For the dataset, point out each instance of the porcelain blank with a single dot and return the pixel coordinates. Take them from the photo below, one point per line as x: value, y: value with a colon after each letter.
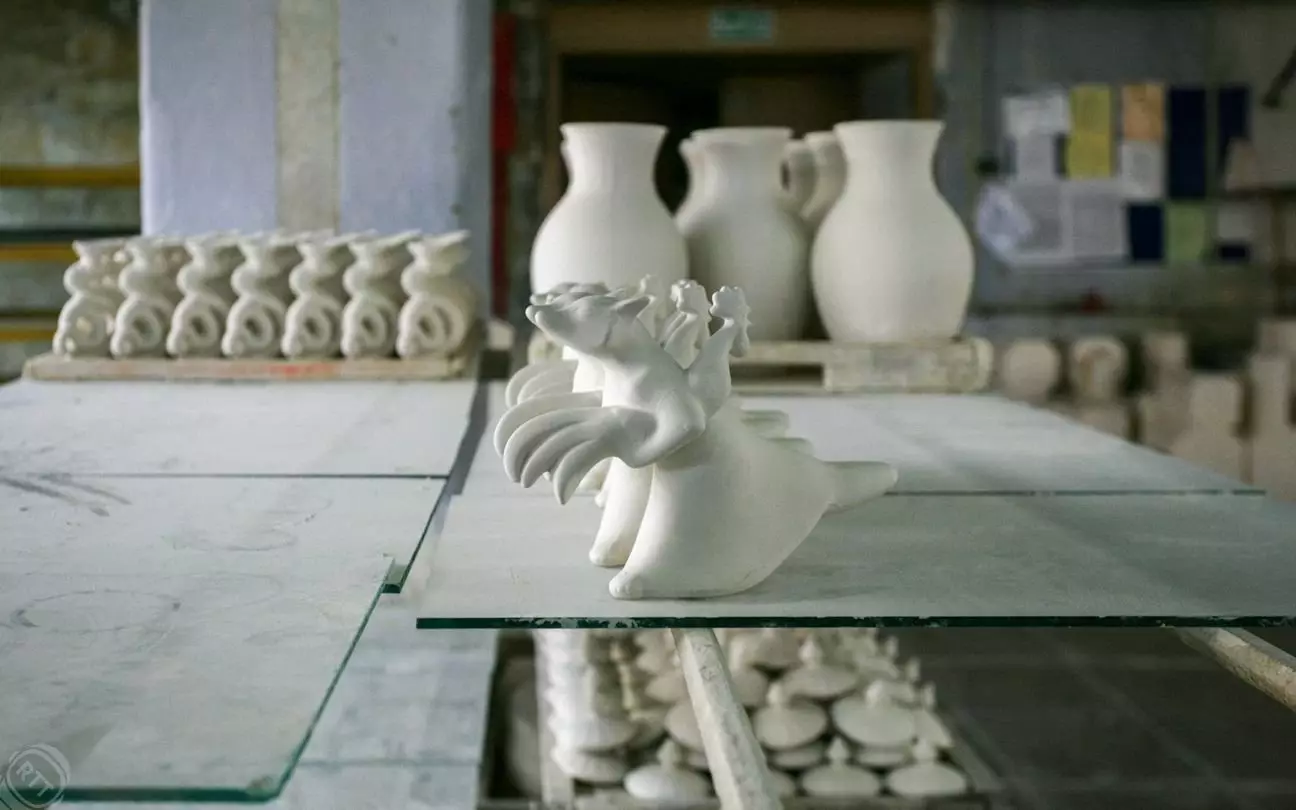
x: 816, y: 678
x: 743, y: 234
x: 439, y: 314
x: 86, y: 321
x: 1097, y: 367
x: 799, y: 759
x: 148, y: 282
x: 313, y: 322
x: 870, y: 719
x: 610, y: 226
x: 667, y: 781
x: 839, y: 778
x: 597, y: 769
x: 799, y: 172
x: 891, y: 261
x: 830, y: 178
x: 926, y: 777
x: 700, y: 535
x: 787, y: 722
x: 682, y: 725
x: 1029, y: 369
x: 881, y: 758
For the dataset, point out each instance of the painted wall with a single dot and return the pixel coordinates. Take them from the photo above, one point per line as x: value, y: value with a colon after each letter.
x: 68, y: 95
x: 347, y: 114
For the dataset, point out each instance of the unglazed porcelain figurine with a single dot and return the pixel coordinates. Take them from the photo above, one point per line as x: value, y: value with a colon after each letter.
x: 680, y: 324
x: 85, y: 323
x: 313, y: 323
x: 369, y: 319
x: 442, y: 306
x: 726, y: 505
x: 198, y: 322
x: 149, y: 283
x: 254, y: 327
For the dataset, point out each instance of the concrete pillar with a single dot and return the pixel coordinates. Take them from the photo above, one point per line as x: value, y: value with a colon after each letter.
x: 347, y: 114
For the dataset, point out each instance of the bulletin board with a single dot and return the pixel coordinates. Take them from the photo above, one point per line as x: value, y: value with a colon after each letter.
x: 1114, y: 175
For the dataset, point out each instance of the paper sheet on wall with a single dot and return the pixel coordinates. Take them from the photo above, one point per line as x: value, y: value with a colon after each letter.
x: 1041, y: 206
x: 1236, y: 222
x: 1185, y: 233
x: 1035, y: 158
x: 1089, y: 155
x: 1142, y: 170
x: 1001, y: 221
x: 1047, y: 112
x: 1091, y: 109
x: 1143, y: 112
x: 1093, y: 220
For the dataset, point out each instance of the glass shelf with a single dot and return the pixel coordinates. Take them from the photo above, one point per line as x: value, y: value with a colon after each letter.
x: 1004, y: 516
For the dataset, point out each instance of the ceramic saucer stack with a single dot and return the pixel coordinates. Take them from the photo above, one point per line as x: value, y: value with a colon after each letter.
x: 838, y: 714
x: 586, y: 715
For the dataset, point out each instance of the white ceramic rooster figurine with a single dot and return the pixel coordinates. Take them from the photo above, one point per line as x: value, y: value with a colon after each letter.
x: 725, y: 504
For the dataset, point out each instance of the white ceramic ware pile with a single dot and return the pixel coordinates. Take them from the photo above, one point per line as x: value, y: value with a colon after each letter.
x: 853, y: 215
x: 315, y: 295
x: 836, y: 712
x: 1237, y: 423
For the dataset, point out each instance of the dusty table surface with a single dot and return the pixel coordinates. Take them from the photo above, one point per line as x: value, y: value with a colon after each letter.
x: 247, y: 428
x: 1011, y: 516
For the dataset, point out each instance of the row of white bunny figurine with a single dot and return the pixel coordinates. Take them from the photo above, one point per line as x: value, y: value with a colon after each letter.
x: 266, y: 295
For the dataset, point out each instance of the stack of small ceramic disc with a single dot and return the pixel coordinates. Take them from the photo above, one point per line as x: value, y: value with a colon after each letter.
x: 836, y: 711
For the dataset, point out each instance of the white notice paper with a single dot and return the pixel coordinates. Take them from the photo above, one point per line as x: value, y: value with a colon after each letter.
x: 1093, y: 219
x: 1035, y: 157
x: 1142, y: 170
x: 1001, y: 222
x: 1235, y: 222
x: 1045, y: 113
x: 1041, y: 205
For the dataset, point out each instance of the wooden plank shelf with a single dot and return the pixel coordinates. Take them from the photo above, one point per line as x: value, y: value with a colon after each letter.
x: 52, y: 367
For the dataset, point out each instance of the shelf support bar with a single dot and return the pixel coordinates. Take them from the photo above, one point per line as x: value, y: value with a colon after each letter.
x: 1251, y: 658
x: 738, y: 767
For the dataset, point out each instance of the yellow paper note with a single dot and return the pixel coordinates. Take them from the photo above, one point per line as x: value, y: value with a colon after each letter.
x: 1143, y: 112
x: 1186, y: 239
x: 1091, y: 109
x: 1089, y: 155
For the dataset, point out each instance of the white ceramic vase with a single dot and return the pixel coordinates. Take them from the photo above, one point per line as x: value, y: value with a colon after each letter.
x: 891, y: 261
x: 610, y: 226
x: 743, y: 233
x: 830, y: 177
x: 696, y: 169
x: 799, y: 171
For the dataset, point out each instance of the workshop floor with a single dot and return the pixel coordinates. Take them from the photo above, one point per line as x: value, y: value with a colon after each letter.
x: 1112, y: 719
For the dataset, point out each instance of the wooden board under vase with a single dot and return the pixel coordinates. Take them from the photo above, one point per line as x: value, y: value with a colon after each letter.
x: 54, y: 368
x: 961, y: 366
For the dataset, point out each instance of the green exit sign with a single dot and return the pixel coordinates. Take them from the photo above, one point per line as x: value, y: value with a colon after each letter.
x: 742, y: 25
